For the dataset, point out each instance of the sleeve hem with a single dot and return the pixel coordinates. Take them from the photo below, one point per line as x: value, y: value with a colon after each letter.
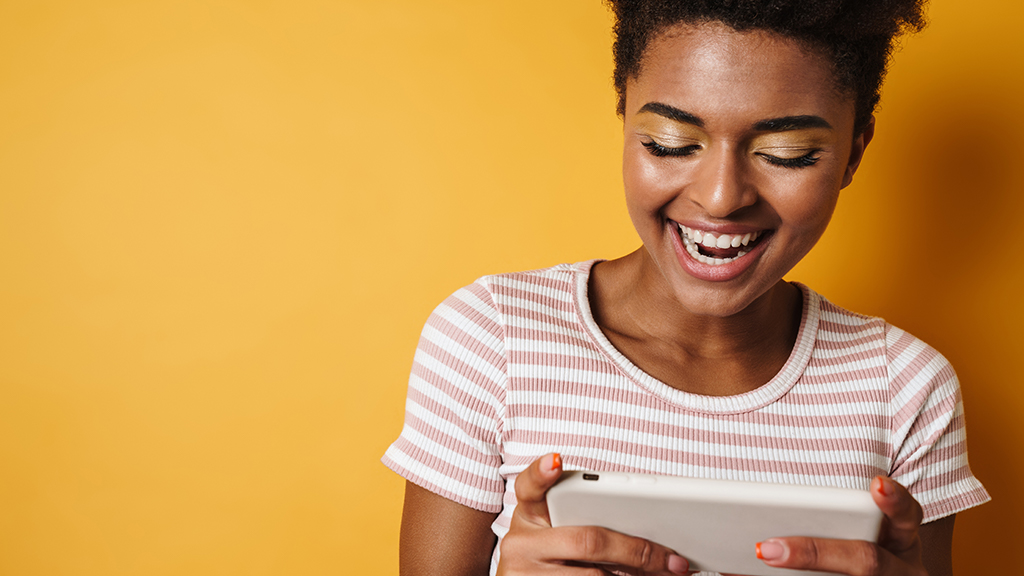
x: 958, y: 503
x: 424, y: 483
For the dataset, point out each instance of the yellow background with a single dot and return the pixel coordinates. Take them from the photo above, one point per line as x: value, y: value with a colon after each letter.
x: 222, y: 224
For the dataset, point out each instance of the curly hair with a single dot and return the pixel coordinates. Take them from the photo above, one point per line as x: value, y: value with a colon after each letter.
x: 857, y: 36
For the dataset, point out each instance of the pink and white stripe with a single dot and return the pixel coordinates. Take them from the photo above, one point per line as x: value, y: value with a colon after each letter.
x: 514, y: 366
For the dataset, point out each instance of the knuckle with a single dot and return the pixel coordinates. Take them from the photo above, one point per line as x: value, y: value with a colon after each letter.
x: 910, y: 508
x: 813, y: 552
x: 509, y: 545
x: 870, y: 559
x: 804, y: 553
x: 643, y: 553
x: 590, y: 542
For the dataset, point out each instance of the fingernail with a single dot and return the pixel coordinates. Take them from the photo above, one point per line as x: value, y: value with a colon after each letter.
x: 556, y: 461
x: 677, y: 564
x: 770, y: 550
x: 883, y: 486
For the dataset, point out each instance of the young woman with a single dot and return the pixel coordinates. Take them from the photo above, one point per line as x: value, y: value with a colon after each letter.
x: 691, y: 356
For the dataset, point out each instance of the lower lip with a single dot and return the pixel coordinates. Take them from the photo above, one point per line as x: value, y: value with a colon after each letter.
x: 712, y: 273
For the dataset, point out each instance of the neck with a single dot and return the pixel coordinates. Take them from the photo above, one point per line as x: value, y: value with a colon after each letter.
x: 639, y: 314
x: 769, y: 320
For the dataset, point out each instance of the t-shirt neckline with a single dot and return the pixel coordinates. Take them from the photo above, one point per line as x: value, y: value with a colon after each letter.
x: 770, y: 392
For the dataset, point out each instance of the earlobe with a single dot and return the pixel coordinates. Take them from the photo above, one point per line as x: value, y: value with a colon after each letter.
x: 860, y: 143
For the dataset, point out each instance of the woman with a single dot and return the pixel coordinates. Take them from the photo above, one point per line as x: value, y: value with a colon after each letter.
x: 692, y: 356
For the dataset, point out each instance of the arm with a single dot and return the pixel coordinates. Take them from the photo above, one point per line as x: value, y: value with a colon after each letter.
x: 440, y: 536
x: 456, y: 398
x: 937, y: 546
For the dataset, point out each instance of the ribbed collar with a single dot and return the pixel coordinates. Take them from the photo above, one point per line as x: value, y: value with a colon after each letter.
x: 746, y: 402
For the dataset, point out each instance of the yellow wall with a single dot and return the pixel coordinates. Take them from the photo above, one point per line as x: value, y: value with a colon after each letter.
x: 222, y: 224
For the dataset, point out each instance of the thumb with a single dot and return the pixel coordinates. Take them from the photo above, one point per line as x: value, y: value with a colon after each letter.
x: 531, y: 488
x: 903, y: 514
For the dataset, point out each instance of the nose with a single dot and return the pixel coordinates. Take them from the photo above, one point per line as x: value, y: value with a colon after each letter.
x: 722, y: 186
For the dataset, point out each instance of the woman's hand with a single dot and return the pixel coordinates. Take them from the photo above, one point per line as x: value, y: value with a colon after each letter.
x: 898, y: 551
x: 532, y: 546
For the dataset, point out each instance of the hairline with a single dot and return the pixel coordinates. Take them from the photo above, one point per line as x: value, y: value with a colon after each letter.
x: 810, y: 46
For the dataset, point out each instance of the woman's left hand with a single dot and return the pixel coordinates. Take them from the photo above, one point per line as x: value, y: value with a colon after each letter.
x: 898, y: 551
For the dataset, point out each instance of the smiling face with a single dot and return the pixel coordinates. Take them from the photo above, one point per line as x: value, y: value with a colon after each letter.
x: 736, y: 147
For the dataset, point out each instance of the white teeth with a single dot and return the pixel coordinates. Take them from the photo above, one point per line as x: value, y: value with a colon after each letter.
x: 691, y: 238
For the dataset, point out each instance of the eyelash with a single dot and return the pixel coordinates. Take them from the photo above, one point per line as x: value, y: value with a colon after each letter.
x: 804, y: 161
x: 658, y: 150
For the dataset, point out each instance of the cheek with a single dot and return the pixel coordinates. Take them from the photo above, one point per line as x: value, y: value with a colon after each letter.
x: 809, y: 206
x: 806, y: 198
x: 643, y: 197
x: 634, y: 182
x: 648, y: 187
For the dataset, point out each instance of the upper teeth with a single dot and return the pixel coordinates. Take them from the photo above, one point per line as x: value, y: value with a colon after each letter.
x: 709, y: 240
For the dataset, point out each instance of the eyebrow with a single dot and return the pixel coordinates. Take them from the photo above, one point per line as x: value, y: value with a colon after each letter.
x: 791, y: 123
x: 672, y: 113
x: 782, y: 124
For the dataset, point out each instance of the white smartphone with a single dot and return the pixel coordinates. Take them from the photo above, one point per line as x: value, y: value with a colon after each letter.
x: 714, y: 524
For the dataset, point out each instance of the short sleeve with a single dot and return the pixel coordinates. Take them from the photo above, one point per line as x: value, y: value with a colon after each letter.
x: 929, y: 441
x: 451, y: 441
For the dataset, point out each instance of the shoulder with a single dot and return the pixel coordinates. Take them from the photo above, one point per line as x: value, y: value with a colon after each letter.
x: 924, y: 431
x: 499, y: 295
x: 480, y: 313
x: 839, y: 324
x: 908, y: 360
x: 552, y: 281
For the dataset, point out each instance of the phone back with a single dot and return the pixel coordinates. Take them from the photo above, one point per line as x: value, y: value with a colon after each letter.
x: 714, y: 524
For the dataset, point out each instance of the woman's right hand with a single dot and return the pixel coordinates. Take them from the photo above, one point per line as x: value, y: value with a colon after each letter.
x: 532, y: 546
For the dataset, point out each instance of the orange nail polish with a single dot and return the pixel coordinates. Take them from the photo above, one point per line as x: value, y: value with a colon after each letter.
x: 556, y: 461
x: 758, y: 546
x: 883, y: 487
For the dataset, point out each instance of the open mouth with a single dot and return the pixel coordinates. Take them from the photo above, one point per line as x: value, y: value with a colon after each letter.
x: 717, y: 249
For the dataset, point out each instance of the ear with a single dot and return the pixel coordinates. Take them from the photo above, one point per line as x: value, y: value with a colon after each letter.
x: 860, y: 143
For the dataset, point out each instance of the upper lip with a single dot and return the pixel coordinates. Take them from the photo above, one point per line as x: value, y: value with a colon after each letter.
x: 728, y: 228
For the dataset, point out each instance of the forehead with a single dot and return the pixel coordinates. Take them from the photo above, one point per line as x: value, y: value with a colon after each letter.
x: 710, y: 69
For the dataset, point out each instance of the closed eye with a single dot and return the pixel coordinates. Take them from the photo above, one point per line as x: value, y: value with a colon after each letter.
x: 658, y: 150
x: 804, y: 161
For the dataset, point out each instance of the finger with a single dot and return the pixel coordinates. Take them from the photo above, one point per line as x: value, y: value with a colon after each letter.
x: 853, y: 557
x: 903, y: 514
x: 595, y: 545
x: 531, y: 488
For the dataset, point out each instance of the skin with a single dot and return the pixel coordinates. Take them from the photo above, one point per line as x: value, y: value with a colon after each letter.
x: 715, y: 98
x: 440, y: 536
x: 691, y: 333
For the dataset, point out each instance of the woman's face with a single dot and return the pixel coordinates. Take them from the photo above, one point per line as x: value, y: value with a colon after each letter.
x: 736, y: 147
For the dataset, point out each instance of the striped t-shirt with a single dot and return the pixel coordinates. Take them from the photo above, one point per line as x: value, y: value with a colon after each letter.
x: 514, y: 366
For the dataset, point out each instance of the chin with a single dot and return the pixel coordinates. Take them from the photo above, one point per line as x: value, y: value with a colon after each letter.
x: 717, y: 305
